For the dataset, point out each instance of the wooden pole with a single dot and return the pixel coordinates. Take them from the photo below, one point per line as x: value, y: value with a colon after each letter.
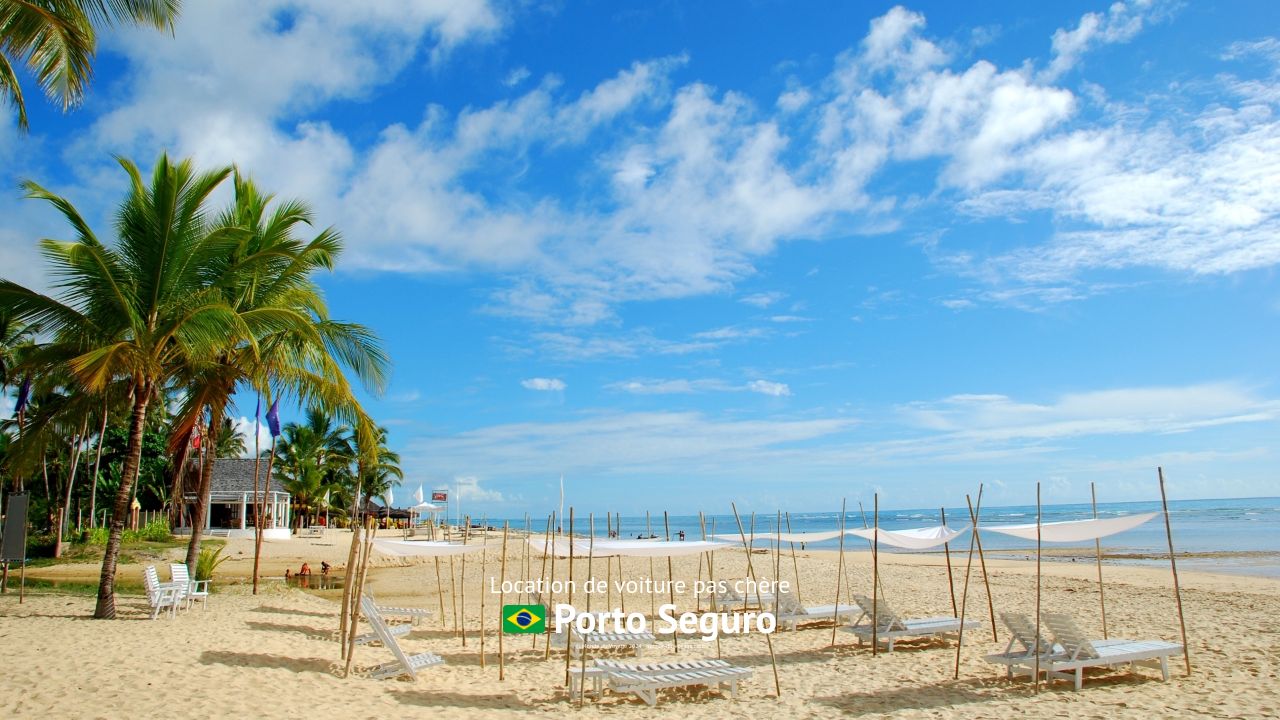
x: 777, y: 560
x: 875, y: 573
x: 551, y: 594
x: 946, y: 549
x: 462, y: 579
x: 543, y: 596
x: 1173, y: 564
x: 711, y: 571
x: 484, y: 564
x: 795, y: 565
x: 671, y: 579
x: 964, y: 595
x: 348, y: 583
x: 355, y: 594
x: 975, y: 514
x: 839, y: 568
x: 440, y: 591
x: 582, y: 654
x: 1037, y: 641
x: 777, y: 684
x: 568, y: 636
x: 502, y: 601
x: 453, y: 595
x: 653, y: 605
x: 1097, y: 549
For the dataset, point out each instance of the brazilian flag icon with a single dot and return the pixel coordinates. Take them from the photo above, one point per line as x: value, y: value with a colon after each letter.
x: 524, y: 619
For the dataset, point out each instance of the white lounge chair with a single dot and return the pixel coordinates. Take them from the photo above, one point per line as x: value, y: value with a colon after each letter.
x: 733, y: 599
x: 160, y: 596
x: 1019, y: 654
x: 372, y: 637
x: 790, y: 612
x: 599, y: 640
x: 645, y: 680
x: 191, y: 590
x: 403, y: 664
x: 414, y: 614
x: 890, y: 628
x: 1078, y: 652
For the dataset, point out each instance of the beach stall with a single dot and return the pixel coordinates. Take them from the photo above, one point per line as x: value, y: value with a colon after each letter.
x: 231, y: 501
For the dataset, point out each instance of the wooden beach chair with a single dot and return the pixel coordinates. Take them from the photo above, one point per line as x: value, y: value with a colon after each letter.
x: 1019, y: 656
x: 372, y: 637
x: 645, y: 679
x: 790, y: 613
x: 414, y: 614
x: 191, y: 590
x: 160, y: 596
x: 889, y: 627
x: 403, y: 664
x: 1078, y: 652
x: 602, y: 640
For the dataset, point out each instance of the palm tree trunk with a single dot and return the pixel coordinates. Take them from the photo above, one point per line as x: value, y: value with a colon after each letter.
x: 201, y: 509
x: 97, y: 464
x: 106, y: 608
x: 176, y: 487
x: 71, y: 482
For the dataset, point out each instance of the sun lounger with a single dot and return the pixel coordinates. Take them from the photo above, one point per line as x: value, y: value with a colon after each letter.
x: 890, y: 628
x: 790, y: 613
x: 372, y: 637
x: 1078, y: 652
x: 733, y: 599
x: 191, y: 590
x: 601, y: 640
x: 646, y: 679
x: 414, y: 614
x: 160, y: 596
x: 403, y: 664
x: 1019, y: 654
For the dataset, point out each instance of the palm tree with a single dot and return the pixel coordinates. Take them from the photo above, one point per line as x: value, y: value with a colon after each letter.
x: 230, y: 441
x: 313, y: 461
x: 57, y: 39
x: 380, y: 469
x: 138, y: 310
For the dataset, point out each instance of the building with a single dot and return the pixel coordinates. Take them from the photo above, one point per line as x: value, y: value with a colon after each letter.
x: 231, y: 506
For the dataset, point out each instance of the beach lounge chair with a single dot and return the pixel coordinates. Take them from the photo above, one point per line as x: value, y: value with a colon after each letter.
x: 646, y: 679
x: 372, y: 637
x: 732, y: 599
x: 414, y: 614
x: 191, y: 590
x: 403, y: 664
x: 600, y: 640
x: 889, y: 627
x: 1019, y: 656
x: 160, y: 596
x: 1078, y: 652
x: 790, y: 612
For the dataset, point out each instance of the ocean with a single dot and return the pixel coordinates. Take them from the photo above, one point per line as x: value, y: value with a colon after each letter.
x: 1238, y: 535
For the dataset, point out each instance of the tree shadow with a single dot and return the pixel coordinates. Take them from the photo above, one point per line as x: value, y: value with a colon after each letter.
x: 265, y: 660
x: 287, y: 611
x: 923, y: 697
x: 307, y: 630
x: 496, y: 701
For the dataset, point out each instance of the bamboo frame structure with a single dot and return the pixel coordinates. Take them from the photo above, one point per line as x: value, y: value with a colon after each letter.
x: 551, y: 584
x: 502, y: 600
x: 839, y: 567
x: 671, y: 579
x: 795, y: 564
x: 875, y: 574
x: 711, y: 572
x: 773, y: 660
x: 462, y: 580
x: 1173, y: 565
x: 484, y: 564
x: 946, y: 549
x: 582, y: 654
x: 568, y: 636
x: 1097, y: 549
x: 1039, y: 522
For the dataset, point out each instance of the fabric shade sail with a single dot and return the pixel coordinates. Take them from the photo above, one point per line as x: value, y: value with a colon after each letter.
x: 422, y: 548
x: 912, y: 539
x: 1073, y: 530
x: 626, y: 548
x: 428, y: 507
x: 801, y: 537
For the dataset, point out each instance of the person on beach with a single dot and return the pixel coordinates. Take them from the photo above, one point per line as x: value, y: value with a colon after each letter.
x: 287, y: 575
x: 305, y: 570
x: 324, y: 568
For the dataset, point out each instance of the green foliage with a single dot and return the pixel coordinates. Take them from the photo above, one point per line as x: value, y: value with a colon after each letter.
x: 155, y: 531
x: 208, y: 561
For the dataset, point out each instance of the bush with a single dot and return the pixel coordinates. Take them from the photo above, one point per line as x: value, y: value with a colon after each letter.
x: 208, y: 561
x: 155, y: 531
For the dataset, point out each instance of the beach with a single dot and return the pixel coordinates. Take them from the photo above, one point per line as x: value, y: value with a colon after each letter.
x: 274, y: 654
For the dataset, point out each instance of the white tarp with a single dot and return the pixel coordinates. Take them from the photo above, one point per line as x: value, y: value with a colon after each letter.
x: 912, y: 539
x: 428, y: 507
x: 1073, y: 530
x: 628, y: 548
x: 801, y: 537
x: 428, y: 548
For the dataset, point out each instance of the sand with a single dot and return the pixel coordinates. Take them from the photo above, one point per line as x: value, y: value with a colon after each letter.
x: 273, y: 655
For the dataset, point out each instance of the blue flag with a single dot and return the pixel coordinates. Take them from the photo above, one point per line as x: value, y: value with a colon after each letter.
x: 24, y: 394
x: 273, y: 418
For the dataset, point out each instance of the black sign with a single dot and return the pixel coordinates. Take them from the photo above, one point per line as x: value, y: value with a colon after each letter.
x: 14, y: 545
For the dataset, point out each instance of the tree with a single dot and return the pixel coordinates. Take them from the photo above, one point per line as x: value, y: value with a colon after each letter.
x: 314, y: 460
x: 136, y: 311
x: 57, y: 39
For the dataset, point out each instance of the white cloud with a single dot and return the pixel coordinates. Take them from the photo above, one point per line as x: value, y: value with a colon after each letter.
x: 543, y: 384
x: 762, y: 299
x: 468, y: 488
x: 1121, y: 22
x: 766, y: 387
x: 516, y: 76
x: 244, y: 428
x: 789, y: 319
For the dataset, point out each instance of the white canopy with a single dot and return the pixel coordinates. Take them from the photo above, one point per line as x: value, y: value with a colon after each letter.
x: 800, y: 537
x: 912, y: 539
x: 628, y: 548
x: 428, y: 548
x: 1073, y: 530
x: 428, y: 507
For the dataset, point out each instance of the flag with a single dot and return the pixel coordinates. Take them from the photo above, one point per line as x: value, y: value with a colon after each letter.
x: 524, y: 619
x: 439, y: 496
x: 326, y: 498
x: 273, y: 418
x: 195, y: 437
x: 390, y: 497
x: 417, y: 496
x: 24, y: 394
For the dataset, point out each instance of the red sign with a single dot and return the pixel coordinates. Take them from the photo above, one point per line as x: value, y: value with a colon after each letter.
x: 439, y: 497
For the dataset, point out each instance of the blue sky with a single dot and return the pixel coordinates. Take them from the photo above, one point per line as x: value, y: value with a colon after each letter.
x: 773, y: 252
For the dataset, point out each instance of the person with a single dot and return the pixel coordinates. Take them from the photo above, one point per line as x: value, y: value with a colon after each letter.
x: 324, y: 568
x: 681, y: 536
x: 305, y: 570
x: 287, y: 575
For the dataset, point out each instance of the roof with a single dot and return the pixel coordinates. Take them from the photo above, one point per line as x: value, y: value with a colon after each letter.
x: 236, y: 475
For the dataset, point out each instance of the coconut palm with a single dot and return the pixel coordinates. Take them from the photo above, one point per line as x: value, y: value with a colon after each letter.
x: 137, y: 310
x: 57, y: 39
x: 314, y: 460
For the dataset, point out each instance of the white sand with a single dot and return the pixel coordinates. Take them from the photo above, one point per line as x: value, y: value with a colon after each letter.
x: 274, y: 655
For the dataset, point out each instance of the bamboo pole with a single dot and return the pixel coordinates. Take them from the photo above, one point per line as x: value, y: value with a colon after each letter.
x: 751, y: 574
x: 542, y: 575
x: 964, y: 595
x: 582, y: 654
x: 946, y: 549
x: 462, y: 579
x: 795, y: 564
x: 974, y: 517
x: 1097, y: 549
x: 1173, y: 564
x: 440, y: 591
x: 608, y: 563
x: 551, y: 594
x: 839, y: 568
x: 711, y: 571
x: 866, y: 526
x: 568, y: 636
x: 502, y: 601
x: 777, y: 561
x: 671, y: 580
x: 875, y: 574
x: 653, y: 604
x: 453, y: 595
x: 484, y: 565
x: 348, y: 583
x: 1037, y: 641
x: 356, y: 592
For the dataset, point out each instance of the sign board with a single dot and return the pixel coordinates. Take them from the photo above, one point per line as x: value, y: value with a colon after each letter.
x: 13, y: 547
x: 439, y: 496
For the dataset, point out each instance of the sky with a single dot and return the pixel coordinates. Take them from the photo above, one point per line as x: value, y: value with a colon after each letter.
x: 777, y: 253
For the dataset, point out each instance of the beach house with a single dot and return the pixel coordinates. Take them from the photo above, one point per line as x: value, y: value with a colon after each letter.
x: 231, y: 506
